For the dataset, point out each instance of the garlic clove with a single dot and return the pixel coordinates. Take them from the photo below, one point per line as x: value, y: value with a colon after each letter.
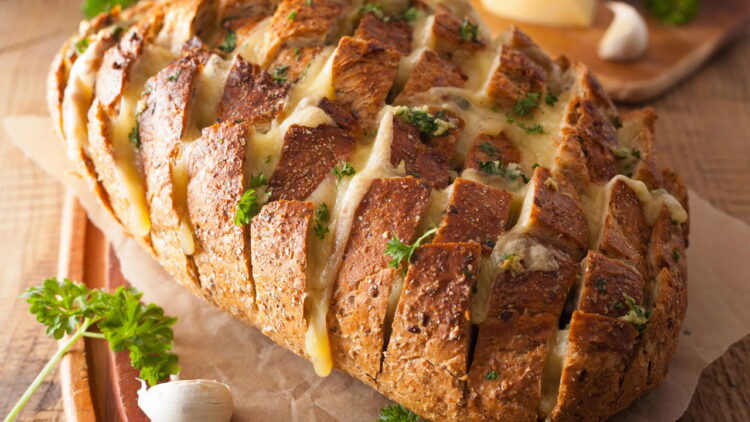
x: 627, y: 35
x: 187, y: 400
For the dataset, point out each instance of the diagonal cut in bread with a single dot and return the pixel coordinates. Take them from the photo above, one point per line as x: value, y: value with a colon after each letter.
x: 462, y: 222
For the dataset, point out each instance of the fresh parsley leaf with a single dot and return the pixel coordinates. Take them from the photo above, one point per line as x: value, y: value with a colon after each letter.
x: 488, y: 148
x: 322, y: 218
x: 134, y: 136
x: 550, y: 99
x: 279, y: 74
x: 247, y: 208
x: 230, y: 42
x: 526, y: 105
x: 397, y: 413
x: 410, y: 14
x: 81, y: 45
x: 616, y: 122
x: 402, y: 252
x: 637, y: 315
x: 498, y: 168
x: 676, y: 255
x: 427, y: 123
x: 468, y: 31
x: 345, y: 170
x: 258, y: 180
x: 534, y: 166
x: 491, y: 376
x: 92, y: 8
x: 268, y: 159
x: 675, y: 12
x: 535, y: 129
x: 292, y: 15
x: 173, y: 77
x: 374, y: 8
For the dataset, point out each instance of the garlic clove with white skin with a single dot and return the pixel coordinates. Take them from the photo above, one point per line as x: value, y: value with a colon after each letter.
x: 627, y: 35
x: 187, y: 400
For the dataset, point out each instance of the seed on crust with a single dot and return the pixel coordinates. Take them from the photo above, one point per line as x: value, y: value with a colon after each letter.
x: 553, y: 214
x: 393, y: 33
x: 307, y: 157
x: 251, y: 95
x: 216, y: 183
x: 279, y: 264
x: 425, y: 362
x: 624, y: 232
x: 431, y: 72
x: 476, y: 213
x: 391, y: 207
x: 363, y: 73
x: 606, y: 285
x: 515, y: 76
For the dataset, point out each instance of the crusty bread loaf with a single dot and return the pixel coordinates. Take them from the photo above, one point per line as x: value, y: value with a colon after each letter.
x: 460, y: 221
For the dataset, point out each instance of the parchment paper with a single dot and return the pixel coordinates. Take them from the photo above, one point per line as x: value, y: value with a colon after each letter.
x: 272, y: 384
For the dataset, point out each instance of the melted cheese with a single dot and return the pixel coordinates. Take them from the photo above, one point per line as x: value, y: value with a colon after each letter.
x: 552, y: 374
x: 317, y: 82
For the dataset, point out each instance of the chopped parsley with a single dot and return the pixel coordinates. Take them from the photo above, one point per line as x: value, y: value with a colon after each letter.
x: 468, y: 30
x: 258, y: 180
x: 623, y: 153
x: 637, y: 315
x: 498, y: 168
x: 173, y: 77
x: 92, y: 8
x: 292, y: 15
x: 401, y: 251
x: 268, y: 159
x: 397, y: 413
x: 491, y: 376
x: 247, y: 208
x: 616, y: 122
x: 676, y: 255
x: 322, y: 218
x: 550, y: 99
x: 675, y: 12
x: 134, y: 136
x: 511, y: 262
x: 488, y: 148
x: 462, y: 103
x: 526, y: 105
x: 308, y: 2
x: 82, y: 45
x: 429, y: 124
x: 410, y: 14
x: 345, y: 170
x: 230, y: 42
x: 279, y: 74
x: 534, y: 166
x: 375, y: 9
x: 535, y: 129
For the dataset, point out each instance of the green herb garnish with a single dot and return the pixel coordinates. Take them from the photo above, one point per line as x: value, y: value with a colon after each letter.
x: 526, y: 105
x: 498, y: 168
x: 279, y: 74
x: 230, y: 42
x: 92, y: 8
x: 550, y: 99
x: 488, y: 148
x: 401, y: 251
x: 247, y: 208
x: 173, y: 77
x: 410, y: 14
x: 675, y: 12
x: 292, y: 15
x: 82, y: 45
x: 322, y: 218
x: 429, y: 124
x: 258, y: 180
x: 345, y: 170
x: 134, y: 136
x: 469, y: 31
x: 397, y: 413
x: 491, y: 376
x: 637, y: 315
x: 375, y: 9
x: 676, y: 255
x: 120, y: 318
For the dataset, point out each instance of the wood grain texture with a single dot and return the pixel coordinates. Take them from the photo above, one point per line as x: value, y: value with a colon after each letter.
x: 703, y: 133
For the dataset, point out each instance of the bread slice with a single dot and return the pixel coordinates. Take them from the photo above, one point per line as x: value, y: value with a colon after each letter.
x: 460, y: 221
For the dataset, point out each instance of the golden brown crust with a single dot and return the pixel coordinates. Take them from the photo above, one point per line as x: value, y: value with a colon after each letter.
x: 553, y: 214
x: 515, y: 76
x: 431, y: 72
x: 161, y: 126
x: 450, y: 37
x: 216, y: 183
x: 391, y: 207
x: 239, y: 9
x: 426, y: 360
x: 475, y: 213
x: 299, y: 23
x: 606, y: 285
x: 292, y: 62
x: 420, y: 159
x: 638, y: 158
x: 307, y: 157
x: 492, y: 148
x: 343, y: 117
x: 624, y: 230
x: 116, y: 65
x: 394, y: 34
x: 280, y: 270
x: 596, y: 135
x: 363, y: 73
x: 667, y: 247
x: 251, y: 95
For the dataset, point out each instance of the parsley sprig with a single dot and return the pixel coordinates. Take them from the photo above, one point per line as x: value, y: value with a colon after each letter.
x: 675, y: 12
x: 92, y: 8
x: 430, y: 124
x: 469, y: 31
x: 498, y: 168
x: 230, y: 42
x: 397, y: 413
x: 345, y: 170
x: 400, y: 251
x: 637, y: 315
x: 322, y: 218
x: 376, y: 9
x: 65, y: 307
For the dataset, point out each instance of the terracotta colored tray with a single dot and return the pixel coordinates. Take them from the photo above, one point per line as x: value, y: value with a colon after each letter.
x: 674, y: 51
x: 97, y: 384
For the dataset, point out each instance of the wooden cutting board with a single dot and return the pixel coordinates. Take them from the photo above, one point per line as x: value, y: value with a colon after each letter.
x: 674, y: 52
x: 97, y: 384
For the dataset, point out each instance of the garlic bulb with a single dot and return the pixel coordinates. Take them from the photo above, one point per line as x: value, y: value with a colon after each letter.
x: 627, y: 35
x: 187, y: 400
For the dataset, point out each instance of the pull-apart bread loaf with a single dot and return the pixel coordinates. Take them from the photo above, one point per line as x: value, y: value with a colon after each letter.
x: 461, y: 222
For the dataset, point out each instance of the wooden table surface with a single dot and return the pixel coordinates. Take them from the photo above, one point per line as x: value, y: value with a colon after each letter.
x: 703, y: 133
